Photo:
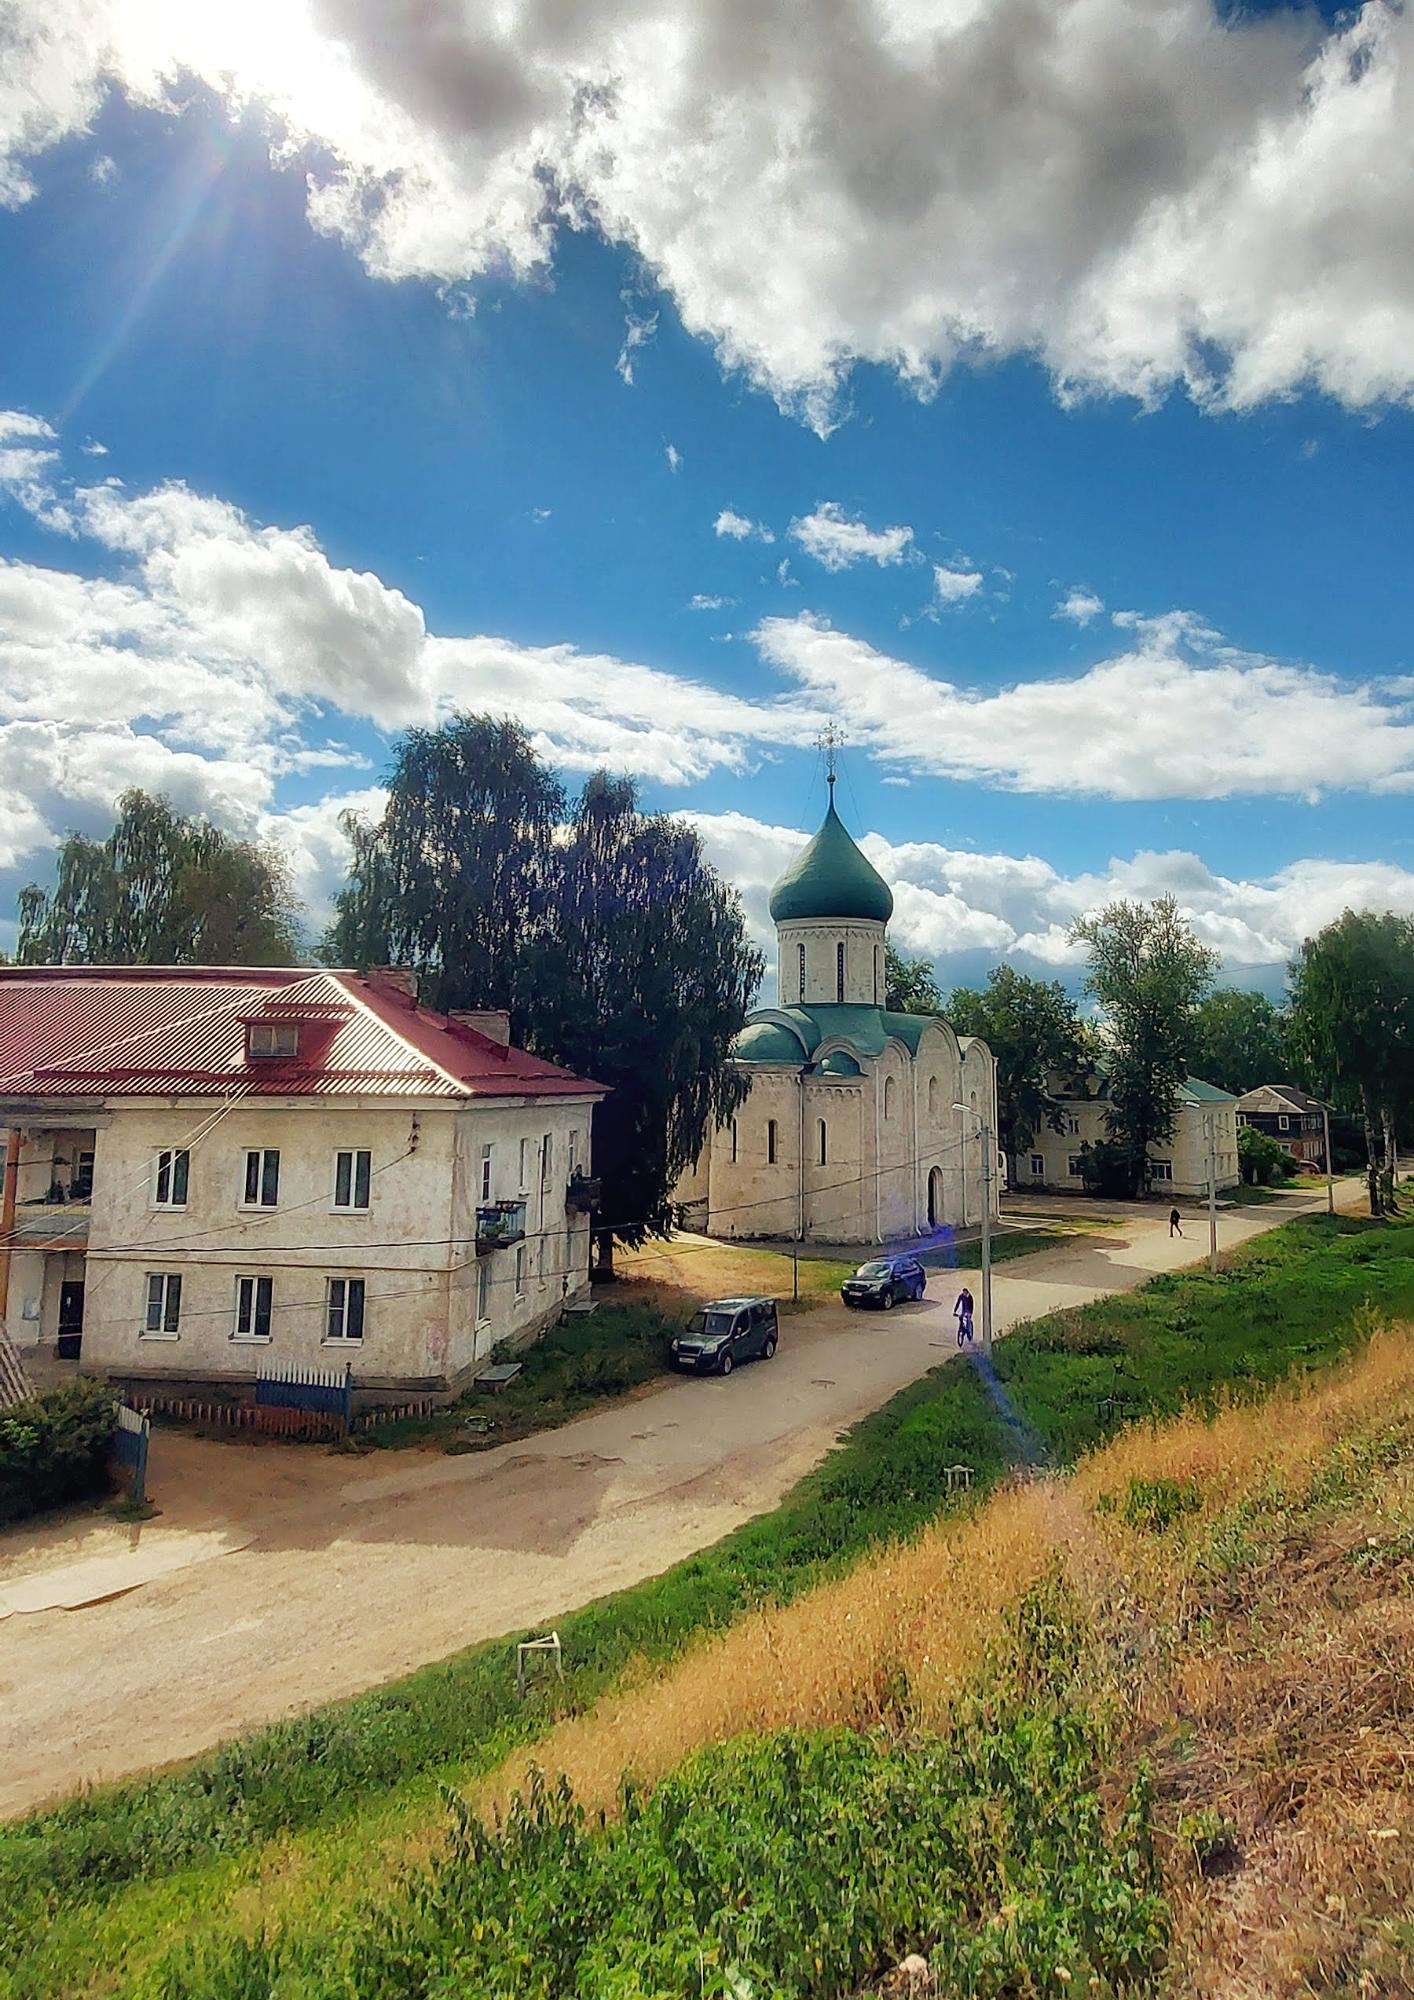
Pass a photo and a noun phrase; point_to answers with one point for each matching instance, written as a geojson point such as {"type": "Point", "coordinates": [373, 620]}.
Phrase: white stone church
{"type": "Point", "coordinates": [850, 1132]}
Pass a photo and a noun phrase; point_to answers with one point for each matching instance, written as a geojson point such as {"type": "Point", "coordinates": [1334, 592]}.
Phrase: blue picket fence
{"type": "Point", "coordinates": [131, 1432]}
{"type": "Point", "coordinates": [326, 1390]}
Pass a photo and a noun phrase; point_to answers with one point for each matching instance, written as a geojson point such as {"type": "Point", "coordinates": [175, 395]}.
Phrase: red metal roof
{"type": "Point", "coordinates": [91, 1031]}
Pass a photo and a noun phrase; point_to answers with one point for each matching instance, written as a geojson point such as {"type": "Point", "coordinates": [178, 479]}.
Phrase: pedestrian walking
{"type": "Point", "coordinates": [1175, 1226]}
{"type": "Point", "coordinates": [962, 1313]}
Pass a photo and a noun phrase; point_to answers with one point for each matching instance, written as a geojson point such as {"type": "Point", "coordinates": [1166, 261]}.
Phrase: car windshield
{"type": "Point", "coordinates": [872, 1271]}
{"type": "Point", "coordinates": [712, 1323]}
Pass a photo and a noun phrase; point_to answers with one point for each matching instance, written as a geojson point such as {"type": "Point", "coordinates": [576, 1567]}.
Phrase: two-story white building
{"type": "Point", "coordinates": [1204, 1133]}
{"type": "Point", "coordinates": [206, 1168]}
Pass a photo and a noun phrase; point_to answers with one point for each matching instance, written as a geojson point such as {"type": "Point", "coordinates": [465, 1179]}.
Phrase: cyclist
{"type": "Point", "coordinates": [962, 1312]}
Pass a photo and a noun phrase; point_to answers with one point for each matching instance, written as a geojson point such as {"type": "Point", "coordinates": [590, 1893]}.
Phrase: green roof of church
{"type": "Point", "coordinates": [832, 878]}
{"type": "Point", "coordinates": [866, 1030]}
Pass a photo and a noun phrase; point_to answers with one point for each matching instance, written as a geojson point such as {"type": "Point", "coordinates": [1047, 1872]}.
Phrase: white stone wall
{"type": "Point", "coordinates": [433, 1307]}
{"type": "Point", "coordinates": [863, 963]}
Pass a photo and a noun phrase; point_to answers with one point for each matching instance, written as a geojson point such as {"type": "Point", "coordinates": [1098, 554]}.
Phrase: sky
{"type": "Point", "coordinates": [1022, 386]}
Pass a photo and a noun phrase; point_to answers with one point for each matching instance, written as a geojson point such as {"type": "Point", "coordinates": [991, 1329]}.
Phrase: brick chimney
{"type": "Point", "coordinates": [401, 978]}
{"type": "Point", "coordinates": [492, 1022]}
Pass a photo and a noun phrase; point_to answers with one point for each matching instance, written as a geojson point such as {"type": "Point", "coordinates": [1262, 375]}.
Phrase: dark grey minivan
{"type": "Point", "coordinates": [725, 1332]}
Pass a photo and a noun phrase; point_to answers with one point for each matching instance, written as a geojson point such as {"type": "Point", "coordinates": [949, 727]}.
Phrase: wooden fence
{"type": "Point", "coordinates": [15, 1385]}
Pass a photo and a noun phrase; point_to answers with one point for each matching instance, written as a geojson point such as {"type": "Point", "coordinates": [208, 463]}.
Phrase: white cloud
{"type": "Point", "coordinates": [1140, 193]}
{"type": "Point", "coordinates": [1079, 606]}
{"type": "Point", "coordinates": [673, 456]}
{"type": "Point", "coordinates": [836, 539]}
{"type": "Point", "coordinates": [955, 586]}
{"type": "Point", "coordinates": [101, 169]}
{"type": "Point", "coordinates": [91, 448]}
{"type": "Point", "coordinates": [28, 454]}
{"type": "Point", "coordinates": [953, 904]}
{"type": "Point", "coordinates": [539, 515]}
{"type": "Point", "coordinates": [1177, 715]}
{"type": "Point", "coordinates": [639, 329]}
{"type": "Point", "coordinates": [703, 602]}
{"type": "Point", "coordinates": [737, 528]}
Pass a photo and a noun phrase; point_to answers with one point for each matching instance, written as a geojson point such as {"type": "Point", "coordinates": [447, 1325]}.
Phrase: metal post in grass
{"type": "Point", "coordinates": [1330, 1174]}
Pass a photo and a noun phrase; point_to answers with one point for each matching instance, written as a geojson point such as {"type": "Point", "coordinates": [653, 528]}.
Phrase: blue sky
{"type": "Point", "coordinates": [1117, 601]}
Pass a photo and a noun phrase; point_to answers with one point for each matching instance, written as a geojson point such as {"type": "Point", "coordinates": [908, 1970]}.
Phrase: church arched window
{"type": "Point", "coordinates": [839, 970]}
{"type": "Point", "coordinates": [770, 1142]}
{"type": "Point", "coordinates": [932, 1097]}
{"type": "Point", "coordinates": [824, 1145]}
{"type": "Point", "coordinates": [888, 1098]}
{"type": "Point", "coordinates": [800, 974]}
{"type": "Point", "coordinates": [878, 976]}
{"type": "Point", "coordinates": [733, 1142]}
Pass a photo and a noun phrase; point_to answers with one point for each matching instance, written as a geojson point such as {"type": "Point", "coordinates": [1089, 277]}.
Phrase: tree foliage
{"type": "Point", "coordinates": [162, 889]}
{"type": "Point", "coordinates": [615, 947]}
{"type": "Point", "coordinates": [909, 984]}
{"type": "Point", "coordinates": [1239, 1041]}
{"type": "Point", "coordinates": [456, 880]}
{"type": "Point", "coordinates": [1262, 1158]}
{"type": "Point", "coordinates": [1033, 1031]}
{"type": "Point", "coordinates": [1352, 1020]}
{"type": "Point", "coordinates": [1149, 973]}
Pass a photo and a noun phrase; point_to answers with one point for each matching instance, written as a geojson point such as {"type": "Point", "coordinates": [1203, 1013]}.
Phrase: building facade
{"type": "Point", "coordinates": [1297, 1122]}
{"type": "Point", "coordinates": [1180, 1165]}
{"type": "Point", "coordinates": [850, 1131]}
{"type": "Point", "coordinates": [208, 1171]}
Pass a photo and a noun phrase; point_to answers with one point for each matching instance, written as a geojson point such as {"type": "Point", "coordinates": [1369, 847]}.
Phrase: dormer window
{"type": "Point", "coordinates": [272, 1040]}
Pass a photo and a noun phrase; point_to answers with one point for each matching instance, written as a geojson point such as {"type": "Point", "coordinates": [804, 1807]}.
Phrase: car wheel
{"type": "Point", "coordinates": [769, 1349]}
{"type": "Point", "coordinates": [921, 1288]}
{"type": "Point", "coordinates": [726, 1364]}
{"type": "Point", "coordinates": [890, 1299]}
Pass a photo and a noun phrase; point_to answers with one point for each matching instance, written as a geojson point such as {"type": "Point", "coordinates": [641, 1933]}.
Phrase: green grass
{"type": "Point", "coordinates": [581, 1363]}
{"type": "Point", "coordinates": [105, 1874]}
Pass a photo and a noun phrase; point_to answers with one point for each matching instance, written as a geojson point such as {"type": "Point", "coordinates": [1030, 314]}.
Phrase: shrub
{"type": "Point", "coordinates": [54, 1448]}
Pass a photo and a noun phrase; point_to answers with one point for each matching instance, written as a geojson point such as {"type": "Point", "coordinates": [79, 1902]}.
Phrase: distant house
{"type": "Point", "coordinates": [1180, 1165]}
{"type": "Point", "coordinates": [212, 1169]}
{"type": "Point", "coordinates": [1288, 1115]}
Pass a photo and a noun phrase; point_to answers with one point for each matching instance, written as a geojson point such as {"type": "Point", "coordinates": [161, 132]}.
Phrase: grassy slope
{"type": "Point", "coordinates": [130, 1864]}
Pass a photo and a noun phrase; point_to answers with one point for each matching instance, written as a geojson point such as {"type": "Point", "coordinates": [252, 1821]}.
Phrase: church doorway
{"type": "Point", "coordinates": [935, 1197]}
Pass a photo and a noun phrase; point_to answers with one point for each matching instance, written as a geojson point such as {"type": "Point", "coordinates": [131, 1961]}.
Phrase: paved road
{"type": "Point", "coordinates": [277, 1578]}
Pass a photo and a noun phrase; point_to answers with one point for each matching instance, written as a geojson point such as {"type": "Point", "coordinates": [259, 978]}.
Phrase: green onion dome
{"type": "Point", "coordinates": [832, 878]}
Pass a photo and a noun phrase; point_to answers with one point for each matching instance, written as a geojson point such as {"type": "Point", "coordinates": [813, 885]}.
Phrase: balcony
{"type": "Point", "coordinates": [499, 1224]}
{"type": "Point", "coordinates": [583, 1193]}
{"type": "Point", "coordinates": [51, 1225]}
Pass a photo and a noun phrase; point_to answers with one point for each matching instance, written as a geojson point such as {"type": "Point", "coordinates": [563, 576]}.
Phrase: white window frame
{"type": "Point", "coordinates": [1038, 1166]}
{"type": "Point", "coordinates": [279, 1032]}
{"type": "Point", "coordinates": [520, 1274]}
{"type": "Point", "coordinates": [547, 1160]}
{"type": "Point", "coordinates": [574, 1151]}
{"type": "Point", "coordinates": [166, 1162]}
{"type": "Point", "coordinates": [252, 1338]}
{"type": "Point", "coordinates": [169, 1307]}
{"type": "Point", "coordinates": [524, 1158]}
{"type": "Point", "coordinates": [1161, 1170]}
{"type": "Point", "coordinates": [1283, 1122]}
{"type": "Point", "coordinates": [261, 1153]}
{"type": "Point", "coordinates": [1073, 1169]}
{"type": "Point", "coordinates": [488, 1172]}
{"type": "Point", "coordinates": [353, 1154]}
{"type": "Point", "coordinates": [342, 1308]}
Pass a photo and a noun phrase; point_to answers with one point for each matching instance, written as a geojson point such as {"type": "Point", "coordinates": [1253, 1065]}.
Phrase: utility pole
{"type": "Point", "coordinates": [984, 1133]}
{"type": "Point", "coordinates": [1212, 1191]}
{"type": "Point", "coordinates": [1330, 1175]}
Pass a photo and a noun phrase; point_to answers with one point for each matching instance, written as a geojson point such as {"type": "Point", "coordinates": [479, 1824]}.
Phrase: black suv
{"type": "Point", "coordinates": [884, 1281]}
{"type": "Point", "coordinates": [724, 1332]}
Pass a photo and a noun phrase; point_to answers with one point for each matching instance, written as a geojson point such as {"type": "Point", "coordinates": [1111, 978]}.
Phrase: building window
{"type": "Point", "coordinates": [770, 1142]}
{"type": "Point", "coordinates": [345, 1315]}
{"type": "Point", "coordinates": [547, 1158]}
{"type": "Point", "coordinates": [524, 1181]}
{"type": "Point", "coordinates": [164, 1306]}
{"type": "Point", "coordinates": [824, 1145]}
{"type": "Point", "coordinates": [1282, 1121]}
{"type": "Point", "coordinates": [878, 976]}
{"type": "Point", "coordinates": [353, 1174]}
{"type": "Point", "coordinates": [262, 1178]}
{"type": "Point", "coordinates": [520, 1270]}
{"type": "Point", "coordinates": [1038, 1165]}
{"type": "Point", "coordinates": [253, 1301]}
{"type": "Point", "coordinates": [574, 1151]}
{"type": "Point", "coordinates": [1074, 1167]}
{"type": "Point", "coordinates": [839, 970]}
{"type": "Point", "coordinates": [1161, 1170]}
{"type": "Point", "coordinates": [487, 1162]}
{"type": "Point", "coordinates": [888, 1097]}
{"type": "Point", "coordinates": [267, 1040]}
{"type": "Point", "coordinates": [734, 1141]}
{"type": "Point", "coordinates": [483, 1293]}
{"type": "Point", "coordinates": [173, 1176]}
{"type": "Point", "coordinates": [81, 1186]}
{"type": "Point", "coordinates": [932, 1097]}
{"type": "Point", "coordinates": [800, 973]}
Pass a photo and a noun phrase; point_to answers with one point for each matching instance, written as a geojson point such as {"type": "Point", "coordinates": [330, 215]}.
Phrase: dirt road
{"type": "Point", "coordinates": [277, 1578]}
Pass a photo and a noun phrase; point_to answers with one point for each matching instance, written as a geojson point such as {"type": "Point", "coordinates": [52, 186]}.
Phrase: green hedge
{"type": "Point", "coordinates": [54, 1448]}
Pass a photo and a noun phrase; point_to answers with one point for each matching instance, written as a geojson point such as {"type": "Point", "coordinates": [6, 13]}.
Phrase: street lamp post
{"type": "Point", "coordinates": [1212, 1191]}
{"type": "Point", "coordinates": [984, 1137]}
{"type": "Point", "coordinates": [1330, 1174]}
